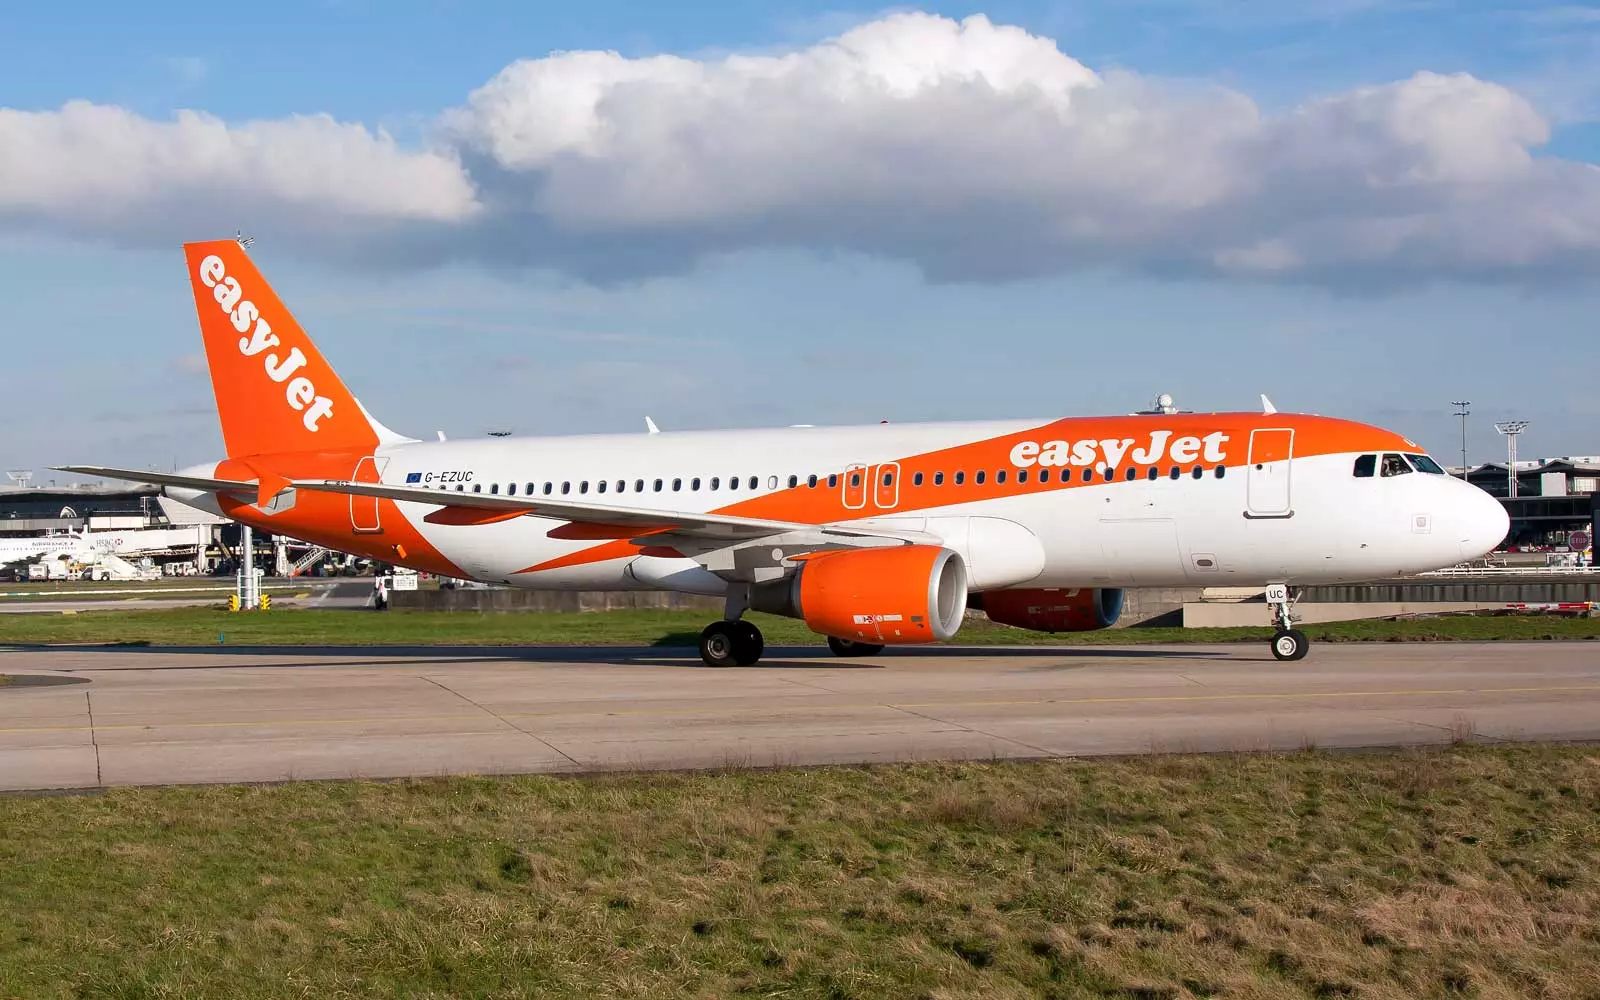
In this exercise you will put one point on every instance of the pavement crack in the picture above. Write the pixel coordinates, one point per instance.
(972, 729)
(505, 722)
(94, 740)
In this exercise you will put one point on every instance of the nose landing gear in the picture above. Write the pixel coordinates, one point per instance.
(1288, 643)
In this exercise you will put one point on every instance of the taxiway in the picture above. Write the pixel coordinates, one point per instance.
(82, 717)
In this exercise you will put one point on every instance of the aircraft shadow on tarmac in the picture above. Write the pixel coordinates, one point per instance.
(779, 657)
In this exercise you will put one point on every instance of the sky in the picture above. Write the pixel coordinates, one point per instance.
(558, 218)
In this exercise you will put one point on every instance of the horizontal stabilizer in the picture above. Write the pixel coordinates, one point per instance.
(164, 479)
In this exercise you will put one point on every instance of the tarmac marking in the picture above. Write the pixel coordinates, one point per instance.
(846, 707)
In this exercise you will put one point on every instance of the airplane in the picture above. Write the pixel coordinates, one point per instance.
(877, 535)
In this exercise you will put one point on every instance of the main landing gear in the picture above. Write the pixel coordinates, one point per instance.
(1288, 643)
(731, 644)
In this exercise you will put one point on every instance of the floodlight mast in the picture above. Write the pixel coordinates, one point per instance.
(1511, 428)
(1463, 412)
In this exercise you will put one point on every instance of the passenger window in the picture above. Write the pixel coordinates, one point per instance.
(477, 487)
(658, 486)
(460, 488)
(677, 484)
(733, 482)
(494, 488)
(583, 487)
(1088, 474)
(511, 490)
(833, 480)
(694, 484)
(1131, 474)
(1174, 473)
(1222, 470)
(977, 477)
(754, 482)
(638, 486)
(811, 481)
(916, 480)
(855, 479)
(716, 483)
(566, 488)
(1366, 465)
(1000, 477)
(600, 487)
(622, 486)
(938, 479)
(1394, 465)
(961, 477)
(1153, 474)
(1022, 475)
(794, 481)
(772, 482)
(1197, 471)
(1109, 474)
(548, 487)
(529, 490)
(888, 479)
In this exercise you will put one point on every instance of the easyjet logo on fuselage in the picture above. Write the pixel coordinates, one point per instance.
(1157, 448)
(300, 392)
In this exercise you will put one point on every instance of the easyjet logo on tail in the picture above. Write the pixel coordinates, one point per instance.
(300, 392)
(1157, 448)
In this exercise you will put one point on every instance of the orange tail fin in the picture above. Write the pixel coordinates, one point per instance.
(275, 392)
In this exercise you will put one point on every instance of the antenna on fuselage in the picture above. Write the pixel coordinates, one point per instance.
(1266, 405)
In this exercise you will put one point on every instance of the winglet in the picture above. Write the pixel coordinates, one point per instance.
(650, 426)
(1266, 405)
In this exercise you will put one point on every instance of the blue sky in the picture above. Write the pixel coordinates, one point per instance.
(806, 300)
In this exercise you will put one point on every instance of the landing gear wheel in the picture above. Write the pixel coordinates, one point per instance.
(747, 643)
(717, 645)
(849, 647)
(731, 644)
(1290, 644)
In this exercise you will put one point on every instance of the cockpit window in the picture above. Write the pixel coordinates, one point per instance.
(1426, 464)
(1394, 465)
(1366, 465)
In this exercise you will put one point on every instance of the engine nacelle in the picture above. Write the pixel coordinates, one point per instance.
(1052, 609)
(891, 596)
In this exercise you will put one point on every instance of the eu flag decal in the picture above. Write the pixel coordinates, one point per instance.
(413, 477)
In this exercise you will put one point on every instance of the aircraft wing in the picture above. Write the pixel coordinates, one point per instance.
(592, 521)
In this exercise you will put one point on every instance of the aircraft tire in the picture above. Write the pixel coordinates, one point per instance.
(748, 643)
(1290, 644)
(719, 643)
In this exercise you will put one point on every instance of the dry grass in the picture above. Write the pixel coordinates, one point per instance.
(1467, 871)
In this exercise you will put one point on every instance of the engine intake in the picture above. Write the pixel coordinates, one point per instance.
(891, 596)
(1052, 609)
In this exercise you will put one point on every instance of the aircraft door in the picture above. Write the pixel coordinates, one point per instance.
(364, 510)
(886, 486)
(1267, 479)
(855, 486)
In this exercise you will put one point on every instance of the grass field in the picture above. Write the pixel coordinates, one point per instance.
(201, 626)
(1464, 872)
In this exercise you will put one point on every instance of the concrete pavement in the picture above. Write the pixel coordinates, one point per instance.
(88, 716)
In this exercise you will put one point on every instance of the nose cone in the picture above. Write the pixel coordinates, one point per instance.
(1483, 522)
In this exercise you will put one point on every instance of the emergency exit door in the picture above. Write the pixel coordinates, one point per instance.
(1267, 480)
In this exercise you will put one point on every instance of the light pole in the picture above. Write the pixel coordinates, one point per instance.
(1462, 412)
(1511, 428)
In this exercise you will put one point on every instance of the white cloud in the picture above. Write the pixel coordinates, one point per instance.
(976, 151)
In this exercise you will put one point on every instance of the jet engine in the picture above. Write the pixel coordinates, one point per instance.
(1052, 609)
(882, 596)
